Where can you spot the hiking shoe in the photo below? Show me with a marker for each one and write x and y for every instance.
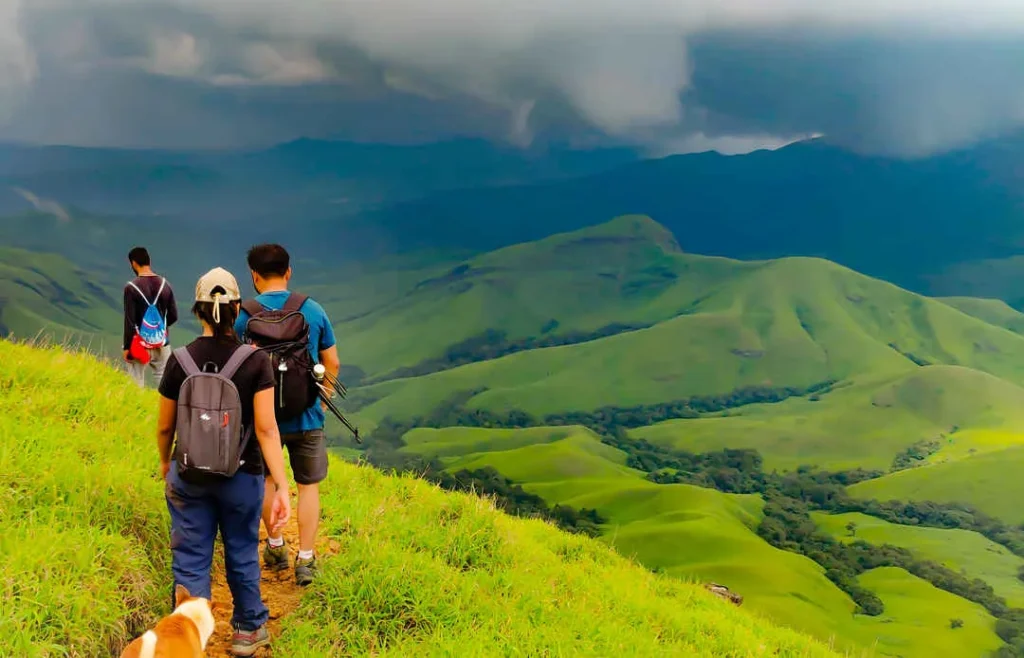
(305, 571)
(275, 559)
(246, 643)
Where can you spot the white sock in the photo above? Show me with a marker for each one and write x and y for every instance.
(305, 555)
(275, 543)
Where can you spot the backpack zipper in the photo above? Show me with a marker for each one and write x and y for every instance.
(281, 368)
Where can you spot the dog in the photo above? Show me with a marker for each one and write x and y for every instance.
(182, 634)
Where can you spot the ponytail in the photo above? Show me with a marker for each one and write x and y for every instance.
(219, 317)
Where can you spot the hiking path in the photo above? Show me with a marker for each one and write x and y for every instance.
(280, 593)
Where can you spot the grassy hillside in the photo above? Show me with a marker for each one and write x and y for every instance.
(709, 326)
(691, 532)
(420, 571)
(919, 618)
(866, 424)
(990, 481)
(993, 311)
(45, 293)
(959, 550)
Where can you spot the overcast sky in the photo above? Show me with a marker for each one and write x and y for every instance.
(892, 76)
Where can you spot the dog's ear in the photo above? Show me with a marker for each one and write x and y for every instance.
(181, 594)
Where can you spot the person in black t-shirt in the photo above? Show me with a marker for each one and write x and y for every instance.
(201, 504)
(147, 286)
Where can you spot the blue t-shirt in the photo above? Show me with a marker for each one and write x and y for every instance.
(321, 337)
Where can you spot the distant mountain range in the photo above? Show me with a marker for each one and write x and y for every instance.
(945, 225)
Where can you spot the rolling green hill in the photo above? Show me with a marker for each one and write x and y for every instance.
(575, 354)
(696, 533)
(701, 326)
(866, 424)
(44, 293)
(958, 549)
(420, 571)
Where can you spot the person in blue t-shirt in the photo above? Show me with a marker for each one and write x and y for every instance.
(303, 436)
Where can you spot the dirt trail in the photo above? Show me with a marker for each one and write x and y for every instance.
(280, 593)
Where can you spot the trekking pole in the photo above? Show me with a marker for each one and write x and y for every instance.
(319, 373)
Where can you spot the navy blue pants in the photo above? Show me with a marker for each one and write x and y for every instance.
(198, 511)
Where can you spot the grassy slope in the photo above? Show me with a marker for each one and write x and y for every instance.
(791, 322)
(993, 311)
(692, 533)
(45, 293)
(991, 481)
(960, 550)
(81, 505)
(918, 615)
(420, 572)
(864, 424)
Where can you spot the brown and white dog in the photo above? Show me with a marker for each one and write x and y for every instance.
(182, 634)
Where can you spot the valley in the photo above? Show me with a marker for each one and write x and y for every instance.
(839, 449)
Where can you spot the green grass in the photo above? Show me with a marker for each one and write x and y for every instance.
(718, 325)
(84, 554)
(994, 311)
(685, 531)
(81, 504)
(918, 616)
(44, 294)
(960, 550)
(991, 481)
(865, 424)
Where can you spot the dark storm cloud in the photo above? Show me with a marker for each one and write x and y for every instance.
(909, 77)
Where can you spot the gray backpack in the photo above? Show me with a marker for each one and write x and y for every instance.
(209, 425)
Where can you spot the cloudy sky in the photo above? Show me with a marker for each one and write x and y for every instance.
(890, 76)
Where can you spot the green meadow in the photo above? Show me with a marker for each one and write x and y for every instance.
(420, 571)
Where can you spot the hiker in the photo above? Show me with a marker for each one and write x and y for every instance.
(301, 418)
(149, 311)
(216, 479)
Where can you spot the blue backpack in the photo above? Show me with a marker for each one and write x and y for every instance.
(153, 330)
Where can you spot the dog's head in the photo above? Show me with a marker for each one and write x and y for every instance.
(198, 609)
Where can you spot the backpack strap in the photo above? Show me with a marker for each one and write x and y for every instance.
(294, 302)
(163, 282)
(142, 294)
(185, 360)
(242, 353)
(252, 307)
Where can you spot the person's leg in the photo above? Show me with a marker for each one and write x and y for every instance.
(308, 456)
(138, 373)
(240, 502)
(193, 531)
(158, 361)
(275, 553)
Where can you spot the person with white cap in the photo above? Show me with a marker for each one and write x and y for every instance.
(204, 497)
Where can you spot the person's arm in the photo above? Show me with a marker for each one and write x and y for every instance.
(332, 364)
(172, 306)
(269, 438)
(167, 417)
(129, 325)
(328, 349)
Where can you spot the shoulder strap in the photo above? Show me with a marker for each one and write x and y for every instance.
(242, 353)
(185, 360)
(163, 282)
(142, 294)
(294, 302)
(252, 307)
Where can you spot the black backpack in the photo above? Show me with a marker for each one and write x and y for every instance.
(284, 336)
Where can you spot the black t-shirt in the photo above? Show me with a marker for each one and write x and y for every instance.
(255, 375)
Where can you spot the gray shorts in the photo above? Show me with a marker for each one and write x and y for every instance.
(307, 453)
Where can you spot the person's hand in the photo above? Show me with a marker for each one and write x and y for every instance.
(165, 468)
(127, 355)
(280, 510)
